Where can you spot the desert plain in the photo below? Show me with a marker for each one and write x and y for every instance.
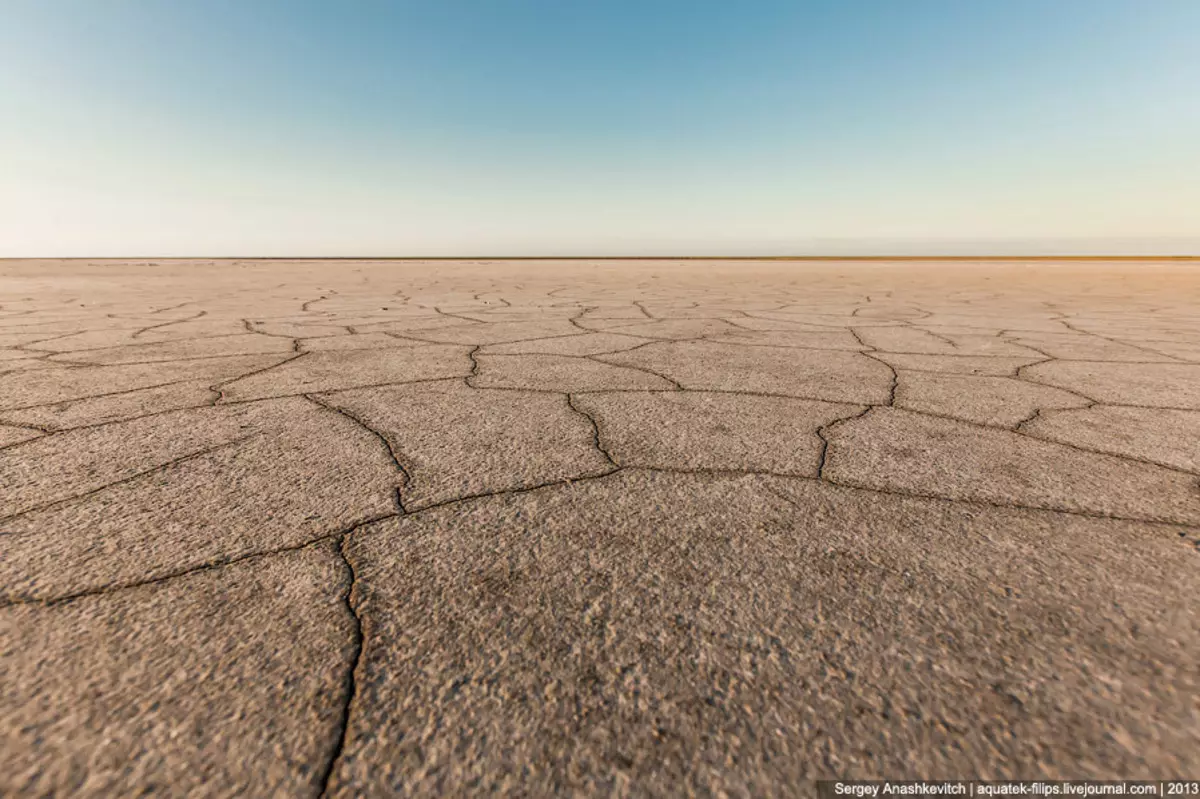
(588, 527)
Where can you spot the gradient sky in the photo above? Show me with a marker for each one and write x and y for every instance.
(443, 127)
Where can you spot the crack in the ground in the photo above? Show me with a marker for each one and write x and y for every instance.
(1031, 437)
(869, 351)
(823, 432)
(388, 446)
(642, 308)
(954, 501)
(350, 681)
(147, 329)
(1040, 384)
(807, 308)
(235, 403)
(474, 356)
(1037, 412)
(450, 315)
(564, 481)
(158, 468)
(597, 440)
(208, 565)
(27, 426)
(162, 361)
(600, 359)
(84, 398)
(60, 356)
(897, 492)
(1062, 319)
(294, 339)
(219, 387)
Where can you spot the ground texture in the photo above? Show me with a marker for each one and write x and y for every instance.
(545, 528)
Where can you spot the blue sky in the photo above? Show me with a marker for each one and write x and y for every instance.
(289, 127)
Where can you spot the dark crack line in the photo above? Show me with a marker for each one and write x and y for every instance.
(710, 471)
(730, 392)
(160, 467)
(895, 378)
(1032, 382)
(1010, 373)
(383, 439)
(44, 356)
(305, 306)
(27, 345)
(473, 356)
(732, 340)
(403, 336)
(19, 443)
(1017, 372)
(1048, 439)
(350, 681)
(1037, 412)
(209, 565)
(1182, 359)
(648, 343)
(870, 351)
(147, 343)
(450, 315)
(336, 390)
(965, 355)
(600, 359)
(564, 355)
(1090, 403)
(27, 426)
(124, 419)
(597, 440)
(575, 318)
(566, 481)
(219, 387)
(1062, 319)
(1016, 429)
(1008, 505)
(413, 341)
(952, 501)
(945, 340)
(140, 331)
(63, 359)
(503, 302)
(823, 431)
(521, 341)
(798, 326)
(230, 403)
(173, 307)
(294, 339)
(1023, 342)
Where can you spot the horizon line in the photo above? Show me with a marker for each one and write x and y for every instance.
(1114, 257)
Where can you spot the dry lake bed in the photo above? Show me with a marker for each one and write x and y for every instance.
(365, 528)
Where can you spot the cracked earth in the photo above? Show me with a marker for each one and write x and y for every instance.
(627, 528)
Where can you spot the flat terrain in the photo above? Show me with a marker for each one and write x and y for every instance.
(599, 528)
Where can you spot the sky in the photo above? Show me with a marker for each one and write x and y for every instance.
(598, 127)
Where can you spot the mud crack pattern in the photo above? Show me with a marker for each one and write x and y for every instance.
(647, 528)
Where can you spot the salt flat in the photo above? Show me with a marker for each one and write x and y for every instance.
(598, 527)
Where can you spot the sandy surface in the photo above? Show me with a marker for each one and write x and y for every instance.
(599, 528)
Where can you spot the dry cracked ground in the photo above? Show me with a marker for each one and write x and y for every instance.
(595, 528)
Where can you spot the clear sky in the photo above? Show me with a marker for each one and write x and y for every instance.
(492, 127)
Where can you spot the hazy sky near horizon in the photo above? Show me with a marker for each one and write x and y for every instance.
(289, 127)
